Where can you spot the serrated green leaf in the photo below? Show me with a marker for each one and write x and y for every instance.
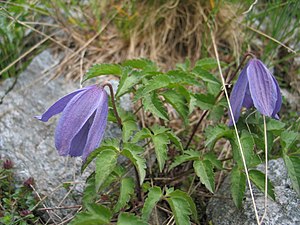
(178, 102)
(258, 178)
(213, 159)
(287, 139)
(143, 64)
(214, 89)
(207, 63)
(176, 141)
(205, 75)
(156, 129)
(106, 144)
(95, 215)
(127, 81)
(185, 196)
(204, 170)
(183, 78)
(213, 134)
(115, 176)
(160, 142)
(89, 193)
(184, 66)
(154, 195)
(248, 147)
(103, 69)
(157, 82)
(181, 210)
(205, 101)
(105, 163)
(138, 161)
(238, 186)
(128, 124)
(273, 124)
(293, 167)
(154, 105)
(140, 135)
(216, 113)
(182, 159)
(130, 219)
(127, 190)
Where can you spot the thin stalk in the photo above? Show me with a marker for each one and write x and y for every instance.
(139, 190)
(266, 170)
(235, 127)
(112, 95)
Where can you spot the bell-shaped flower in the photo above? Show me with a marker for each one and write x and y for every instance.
(82, 124)
(257, 87)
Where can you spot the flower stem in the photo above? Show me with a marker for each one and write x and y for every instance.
(266, 170)
(248, 54)
(235, 128)
(112, 95)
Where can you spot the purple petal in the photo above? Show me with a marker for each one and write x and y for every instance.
(74, 117)
(58, 106)
(97, 129)
(79, 141)
(278, 101)
(262, 87)
(248, 102)
(237, 95)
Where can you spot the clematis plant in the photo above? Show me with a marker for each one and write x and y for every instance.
(82, 125)
(257, 87)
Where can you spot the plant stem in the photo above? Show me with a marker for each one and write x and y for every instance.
(266, 169)
(112, 95)
(235, 128)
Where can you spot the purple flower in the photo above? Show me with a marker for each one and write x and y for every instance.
(257, 87)
(83, 121)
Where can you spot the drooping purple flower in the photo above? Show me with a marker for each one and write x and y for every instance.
(257, 87)
(82, 124)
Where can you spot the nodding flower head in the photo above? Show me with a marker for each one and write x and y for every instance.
(82, 124)
(257, 87)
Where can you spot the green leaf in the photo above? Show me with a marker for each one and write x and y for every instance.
(138, 161)
(204, 170)
(216, 113)
(213, 134)
(175, 139)
(130, 219)
(89, 193)
(112, 144)
(213, 159)
(205, 102)
(128, 125)
(103, 69)
(273, 124)
(293, 167)
(155, 83)
(181, 210)
(207, 63)
(105, 163)
(127, 190)
(186, 197)
(258, 178)
(160, 142)
(95, 215)
(248, 147)
(154, 105)
(140, 135)
(144, 64)
(153, 197)
(156, 129)
(128, 82)
(287, 139)
(238, 186)
(183, 78)
(179, 103)
(205, 75)
(187, 156)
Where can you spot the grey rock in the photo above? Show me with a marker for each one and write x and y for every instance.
(284, 211)
(29, 143)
